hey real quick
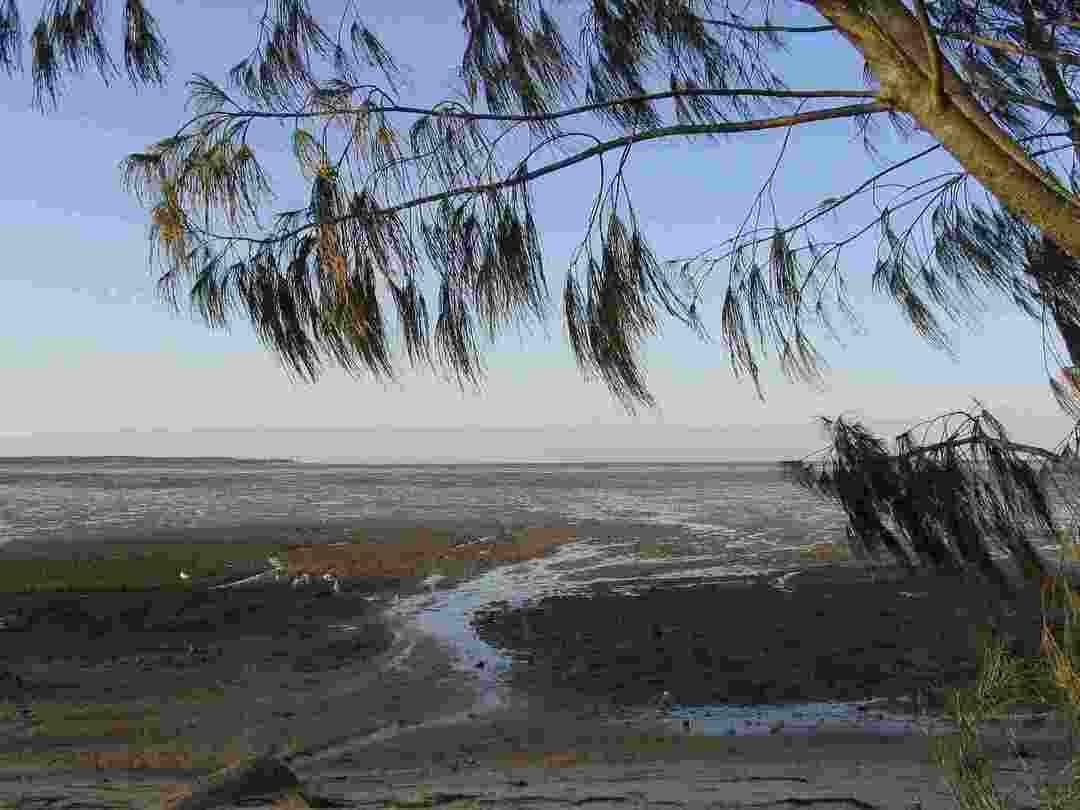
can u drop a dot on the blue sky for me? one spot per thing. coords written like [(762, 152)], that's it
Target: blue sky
[(87, 351)]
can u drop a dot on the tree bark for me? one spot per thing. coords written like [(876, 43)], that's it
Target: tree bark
[(892, 43)]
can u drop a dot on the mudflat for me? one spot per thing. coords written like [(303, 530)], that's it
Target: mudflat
[(191, 675), (829, 633), (132, 693)]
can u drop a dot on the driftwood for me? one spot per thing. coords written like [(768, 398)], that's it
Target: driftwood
[(254, 776)]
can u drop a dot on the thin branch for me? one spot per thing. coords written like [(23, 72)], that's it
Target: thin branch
[(954, 442), (1054, 55), (552, 116), (1071, 22), (776, 122), (863, 186), (1051, 74), (772, 29), (1024, 101), (831, 204), (983, 440)]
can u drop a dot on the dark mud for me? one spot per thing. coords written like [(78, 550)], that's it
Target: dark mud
[(81, 645), (835, 636)]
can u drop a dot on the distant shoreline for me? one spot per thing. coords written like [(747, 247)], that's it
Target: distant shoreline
[(129, 459), (330, 462)]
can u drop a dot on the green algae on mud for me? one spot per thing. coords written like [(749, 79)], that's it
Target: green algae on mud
[(112, 566), (389, 551)]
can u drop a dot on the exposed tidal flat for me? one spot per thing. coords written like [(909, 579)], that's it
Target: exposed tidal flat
[(115, 623), (122, 697), (501, 642)]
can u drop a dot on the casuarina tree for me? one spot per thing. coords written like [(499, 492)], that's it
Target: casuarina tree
[(420, 220)]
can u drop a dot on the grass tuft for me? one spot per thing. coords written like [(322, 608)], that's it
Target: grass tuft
[(1049, 680)]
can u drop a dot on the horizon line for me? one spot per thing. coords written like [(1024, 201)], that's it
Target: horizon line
[(426, 428), (378, 463)]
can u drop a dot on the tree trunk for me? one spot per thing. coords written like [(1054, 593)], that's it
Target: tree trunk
[(892, 43)]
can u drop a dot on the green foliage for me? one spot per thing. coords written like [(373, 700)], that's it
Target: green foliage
[(1003, 681), (944, 505), (69, 36)]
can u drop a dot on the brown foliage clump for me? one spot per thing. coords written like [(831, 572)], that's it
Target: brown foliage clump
[(414, 548)]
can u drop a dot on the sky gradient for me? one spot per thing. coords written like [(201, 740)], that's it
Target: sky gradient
[(87, 351)]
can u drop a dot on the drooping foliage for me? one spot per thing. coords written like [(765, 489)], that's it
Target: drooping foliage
[(450, 193), (420, 220), (69, 37), (946, 505)]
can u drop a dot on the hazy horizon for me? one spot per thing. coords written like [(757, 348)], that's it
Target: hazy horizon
[(555, 444)]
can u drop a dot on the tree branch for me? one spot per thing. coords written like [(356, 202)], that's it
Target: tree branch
[(1026, 101), (1052, 76), (1053, 55), (776, 122), (772, 29), (540, 117), (933, 54), (987, 440)]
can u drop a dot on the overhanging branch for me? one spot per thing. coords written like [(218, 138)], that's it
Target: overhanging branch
[(755, 125), (458, 111), (947, 505), (985, 440), (772, 29), (1053, 55)]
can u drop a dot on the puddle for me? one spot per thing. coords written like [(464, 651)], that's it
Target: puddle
[(797, 720)]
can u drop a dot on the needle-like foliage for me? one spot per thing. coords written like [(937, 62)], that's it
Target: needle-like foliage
[(946, 505), (69, 37), (419, 239)]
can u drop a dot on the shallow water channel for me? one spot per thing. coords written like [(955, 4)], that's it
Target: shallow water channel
[(445, 615)]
